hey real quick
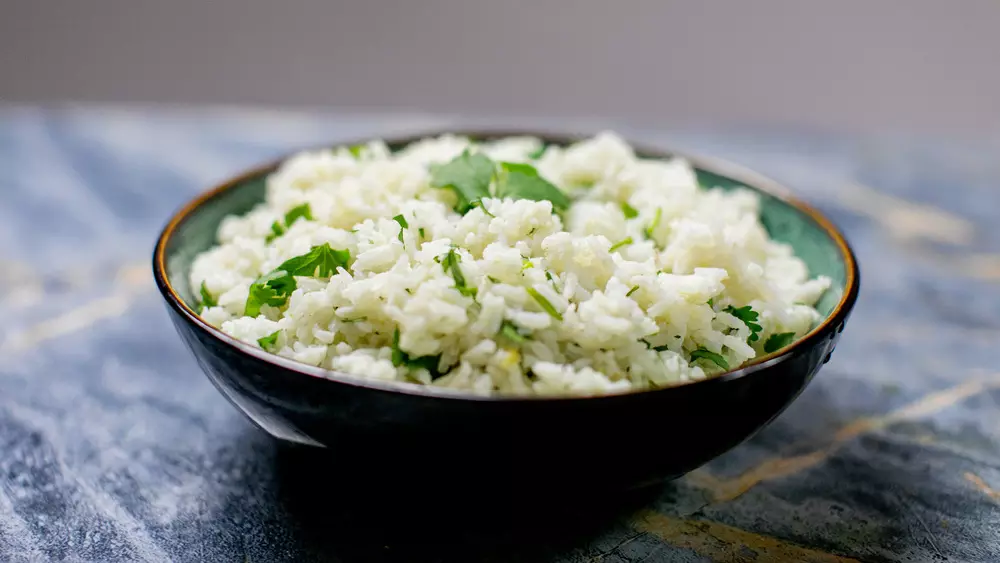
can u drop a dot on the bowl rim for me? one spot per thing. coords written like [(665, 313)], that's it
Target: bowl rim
[(833, 322)]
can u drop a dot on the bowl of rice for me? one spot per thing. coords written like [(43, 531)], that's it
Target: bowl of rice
[(505, 305)]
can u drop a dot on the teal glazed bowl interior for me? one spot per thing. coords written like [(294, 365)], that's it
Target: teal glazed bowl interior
[(538, 443)]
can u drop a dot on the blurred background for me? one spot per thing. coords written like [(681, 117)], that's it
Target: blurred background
[(912, 66)]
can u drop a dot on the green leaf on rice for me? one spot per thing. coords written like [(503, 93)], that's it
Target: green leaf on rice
[(545, 304), (268, 342), (468, 175), (778, 341), (521, 181), (276, 287), (703, 354), (402, 225), (401, 358), (510, 331), (629, 211), (749, 318), (537, 153), (206, 298), (450, 264)]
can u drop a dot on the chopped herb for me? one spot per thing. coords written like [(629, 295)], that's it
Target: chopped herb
[(521, 181), (275, 287), (710, 302), (537, 153), (544, 303), (277, 229), (206, 298), (450, 263), (421, 231), (749, 318), (656, 222), (627, 241), (294, 214), (509, 331), (298, 212), (778, 341), (492, 279), (271, 289), (548, 276), (401, 358), (703, 354), (480, 205), (532, 231), (357, 150), (468, 175), (629, 211), (354, 320), (321, 261), (634, 289), (268, 342), (661, 348), (402, 225), (526, 263)]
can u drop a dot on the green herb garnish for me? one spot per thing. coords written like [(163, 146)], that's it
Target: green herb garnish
[(401, 358), (402, 225), (627, 241), (703, 354), (294, 214), (421, 231), (521, 181), (634, 289), (537, 153), (749, 318), (268, 342), (544, 303), (275, 287), (468, 175), (509, 331), (450, 263), (629, 211), (206, 298), (648, 231), (778, 341), (354, 320), (357, 151), (492, 279)]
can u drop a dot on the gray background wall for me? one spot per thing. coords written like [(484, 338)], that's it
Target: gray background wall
[(898, 65)]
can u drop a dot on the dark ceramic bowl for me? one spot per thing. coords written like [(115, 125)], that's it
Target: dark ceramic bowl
[(425, 434)]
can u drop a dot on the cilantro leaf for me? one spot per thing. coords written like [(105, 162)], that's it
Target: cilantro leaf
[(521, 181), (401, 358), (357, 151), (402, 225), (627, 241), (778, 341), (277, 229), (450, 264), (271, 289), (510, 331), (634, 289), (298, 212), (537, 153), (420, 230), (468, 175), (268, 342), (749, 318), (703, 354), (294, 214), (321, 261), (545, 304), (206, 298), (648, 231), (629, 211)]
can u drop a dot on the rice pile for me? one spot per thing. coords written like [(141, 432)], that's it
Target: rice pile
[(630, 276)]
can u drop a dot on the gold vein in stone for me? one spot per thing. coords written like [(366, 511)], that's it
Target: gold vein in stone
[(906, 220), (130, 281), (722, 543), (724, 490), (978, 482)]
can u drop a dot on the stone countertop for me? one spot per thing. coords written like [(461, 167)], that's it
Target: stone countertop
[(114, 446)]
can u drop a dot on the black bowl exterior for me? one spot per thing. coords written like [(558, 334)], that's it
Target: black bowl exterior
[(616, 441)]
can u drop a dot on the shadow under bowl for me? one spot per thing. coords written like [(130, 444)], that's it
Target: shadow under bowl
[(401, 432)]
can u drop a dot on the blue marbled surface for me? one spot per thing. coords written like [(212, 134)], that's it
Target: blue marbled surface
[(113, 446)]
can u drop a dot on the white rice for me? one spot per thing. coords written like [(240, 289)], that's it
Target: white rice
[(630, 319)]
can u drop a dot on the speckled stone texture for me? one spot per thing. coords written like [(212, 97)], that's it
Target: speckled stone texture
[(114, 446)]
